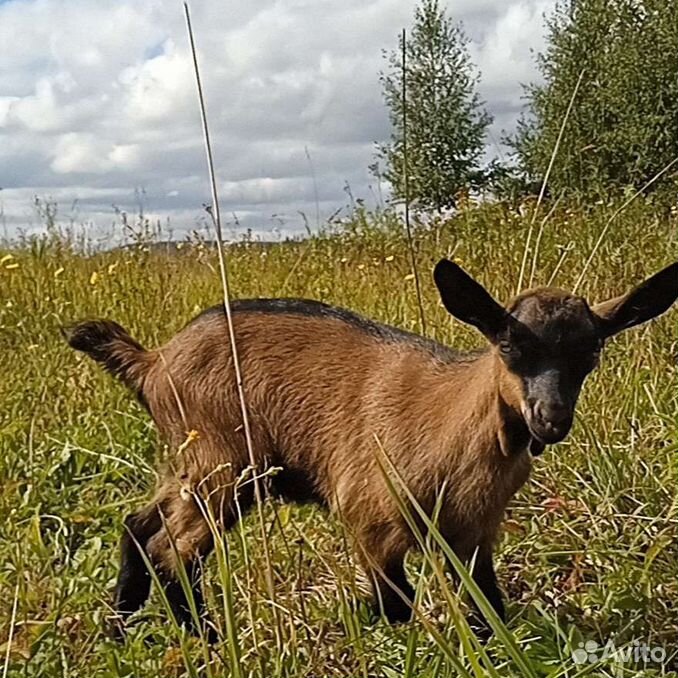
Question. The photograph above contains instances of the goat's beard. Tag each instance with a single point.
(536, 447)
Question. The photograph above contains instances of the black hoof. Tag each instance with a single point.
(211, 634)
(115, 628)
(395, 611)
(208, 629)
(483, 632)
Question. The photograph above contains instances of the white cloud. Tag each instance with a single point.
(98, 99)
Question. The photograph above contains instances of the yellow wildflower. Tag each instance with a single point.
(93, 278)
(190, 437)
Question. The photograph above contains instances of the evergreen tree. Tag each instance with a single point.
(446, 121)
(623, 128)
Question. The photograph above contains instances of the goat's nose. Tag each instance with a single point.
(554, 413)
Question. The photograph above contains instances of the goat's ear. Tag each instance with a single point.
(650, 299)
(468, 301)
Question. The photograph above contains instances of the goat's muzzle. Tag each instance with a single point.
(548, 422)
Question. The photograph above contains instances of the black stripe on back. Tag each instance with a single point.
(318, 309)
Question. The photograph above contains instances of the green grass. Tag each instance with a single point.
(590, 546)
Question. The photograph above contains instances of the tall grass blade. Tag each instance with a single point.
(544, 182)
(216, 216)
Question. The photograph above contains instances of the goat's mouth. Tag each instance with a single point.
(547, 433)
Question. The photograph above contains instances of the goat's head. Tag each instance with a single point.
(547, 340)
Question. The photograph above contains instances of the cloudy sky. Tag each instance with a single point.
(98, 106)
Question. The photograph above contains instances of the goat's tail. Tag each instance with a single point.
(109, 344)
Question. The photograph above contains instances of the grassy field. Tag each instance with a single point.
(590, 546)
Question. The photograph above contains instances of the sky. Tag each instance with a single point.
(98, 111)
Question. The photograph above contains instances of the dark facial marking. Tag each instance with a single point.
(551, 344)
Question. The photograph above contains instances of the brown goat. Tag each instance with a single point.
(321, 384)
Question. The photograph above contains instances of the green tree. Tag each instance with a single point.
(623, 128)
(446, 121)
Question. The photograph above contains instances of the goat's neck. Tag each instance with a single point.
(487, 406)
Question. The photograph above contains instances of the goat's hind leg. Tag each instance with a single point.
(134, 579)
(178, 600)
(185, 540)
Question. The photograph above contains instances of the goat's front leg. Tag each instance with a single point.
(483, 574)
(392, 592)
(482, 571)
